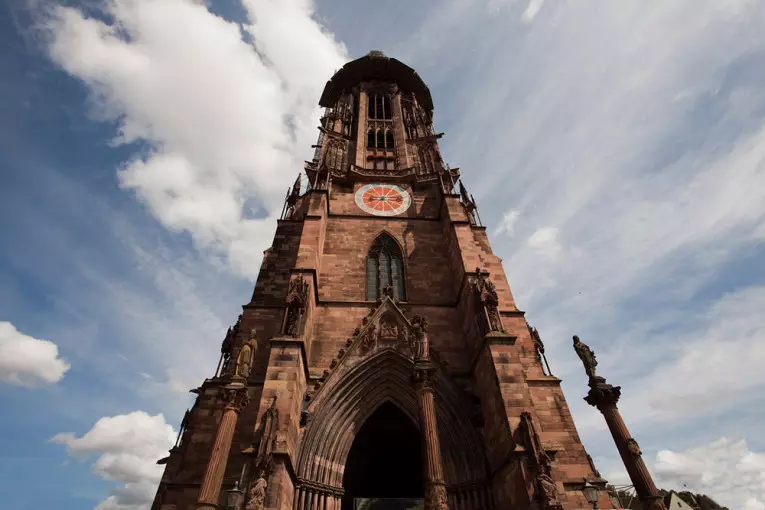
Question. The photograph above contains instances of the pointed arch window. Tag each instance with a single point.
(385, 266)
(371, 138)
(389, 139)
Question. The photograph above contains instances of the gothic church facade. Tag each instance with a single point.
(382, 361)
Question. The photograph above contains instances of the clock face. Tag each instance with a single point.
(383, 199)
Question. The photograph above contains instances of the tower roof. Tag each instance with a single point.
(376, 66)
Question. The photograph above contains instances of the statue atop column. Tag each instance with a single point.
(246, 357)
(587, 356)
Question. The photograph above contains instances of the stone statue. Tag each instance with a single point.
(494, 321)
(293, 320)
(547, 490)
(538, 344)
(257, 494)
(246, 356)
(421, 344)
(587, 357)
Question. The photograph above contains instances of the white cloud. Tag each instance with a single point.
(507, 223)
(531, 10)
(224, 123)
(724, 469)
(128, 447)
(545, 241)
(28, 361)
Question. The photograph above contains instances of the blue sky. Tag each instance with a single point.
(616, 153)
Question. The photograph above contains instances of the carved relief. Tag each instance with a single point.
(388, 329)
(533, 444)
(236, 398)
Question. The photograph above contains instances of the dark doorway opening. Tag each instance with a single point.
(385, 460)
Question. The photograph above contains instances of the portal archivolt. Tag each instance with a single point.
(339, 412)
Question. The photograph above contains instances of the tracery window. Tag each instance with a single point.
(335, 156)
(379, 107)
(385, 266)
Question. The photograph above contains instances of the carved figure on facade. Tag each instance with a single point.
(246, 357)
(297, 297)
(227, 348)
(257, 494)
(533, 444)
(388, 329)
(236, 398)
(539, 348)
(469, 203)
(183, 427)
(369, 338)
(587, 356)
(487, 296)
(386, 291)
(421, 343)
(293, 195)
(548, 492)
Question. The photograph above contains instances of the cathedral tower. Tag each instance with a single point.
(382, 355)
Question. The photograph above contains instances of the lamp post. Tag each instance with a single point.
(591, 494)
(234, 497)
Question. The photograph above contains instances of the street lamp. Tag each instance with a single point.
(234, 497)
(591, 494)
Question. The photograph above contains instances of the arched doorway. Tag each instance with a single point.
(384, 462)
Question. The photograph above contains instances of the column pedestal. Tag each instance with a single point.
(237, 398)
(604, 397)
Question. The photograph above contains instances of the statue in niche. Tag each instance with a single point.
(487, 295)
(587, 356)
(246, 357)
(257, 495)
